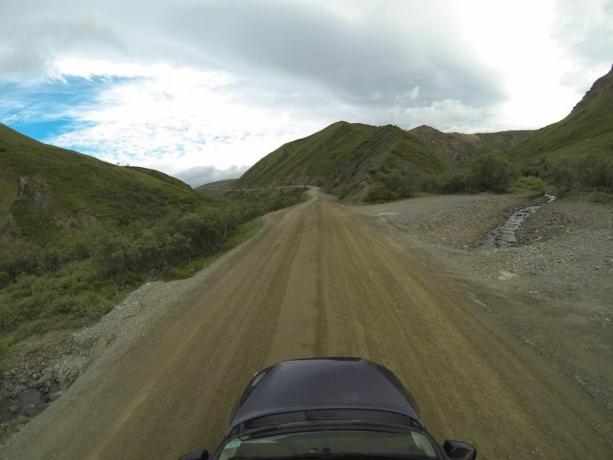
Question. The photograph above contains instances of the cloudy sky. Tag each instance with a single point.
(204, 88)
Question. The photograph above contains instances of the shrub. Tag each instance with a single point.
(455, 182)
(588, 172)
(74, 281)
(400, 184)
(4, 279)
(491, 173)
(486, 173)
(527, 184)
(379, 192)
(392, 186)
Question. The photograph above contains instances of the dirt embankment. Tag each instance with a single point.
(560, 273)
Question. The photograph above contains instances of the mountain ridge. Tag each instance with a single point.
(350, 160)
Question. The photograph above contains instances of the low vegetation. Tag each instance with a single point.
(77, 234)
(487, 173)
(530, 185)
(75, 280)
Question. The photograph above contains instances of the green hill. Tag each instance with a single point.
(345, 159)
(361, 162)
(459, 146)
(77, 233)
(358, 161)
(578, 150)
(220, 185)
(47, 192)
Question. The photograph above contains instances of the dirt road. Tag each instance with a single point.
(320, 280)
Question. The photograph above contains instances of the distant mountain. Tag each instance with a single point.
(200, 175)
(351, 160)
(216, 185)
(47, 192)
(463, 146)
(358, 161)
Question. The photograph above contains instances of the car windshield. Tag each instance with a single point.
(331, 444)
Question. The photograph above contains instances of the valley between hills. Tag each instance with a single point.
(133, 308)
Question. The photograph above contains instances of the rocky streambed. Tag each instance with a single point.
(506, 235)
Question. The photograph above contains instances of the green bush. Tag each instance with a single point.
(391, 186)
(4, 279)
(529, 184)
(379, 192)
(400, 184)
(491, 173)
(455, 182)
(73, 283)
(487, 173)
(586, 172)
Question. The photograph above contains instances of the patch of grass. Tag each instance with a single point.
(243, 233)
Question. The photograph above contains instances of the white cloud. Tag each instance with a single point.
(222, 83)
(174, 118)
(201, 175)
(448, 115)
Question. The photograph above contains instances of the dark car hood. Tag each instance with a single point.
(324, 383)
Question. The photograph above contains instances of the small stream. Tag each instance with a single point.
(505, 235)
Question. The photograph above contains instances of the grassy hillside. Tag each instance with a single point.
(458, 146)
(217, 185)
(368, 162)
(345, 159)
(49, 192)
(362, 162)
(576, 152)
(77, 234)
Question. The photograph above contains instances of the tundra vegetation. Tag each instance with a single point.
(358, 162)
(75, 280)
(78, 234)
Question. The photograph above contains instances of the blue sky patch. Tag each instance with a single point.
(48, 109)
